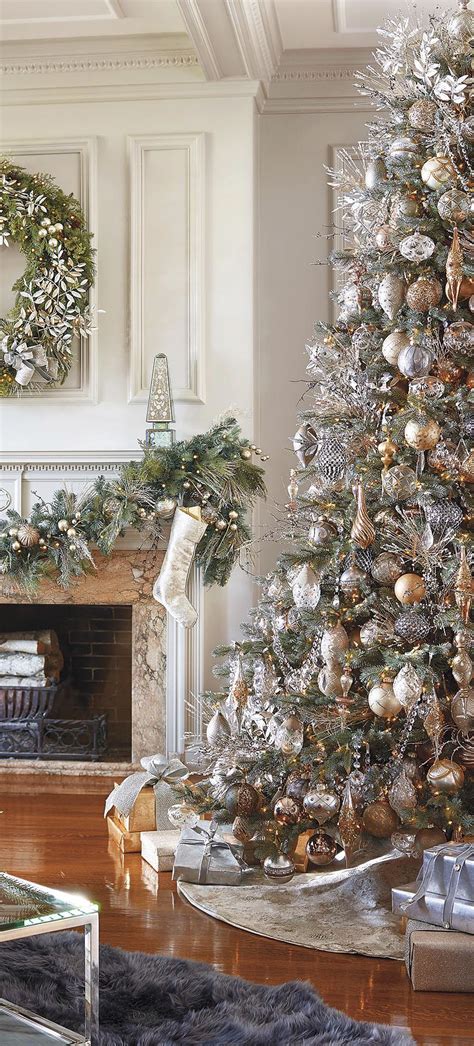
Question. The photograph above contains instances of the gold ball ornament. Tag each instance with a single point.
(28, 535)
(379, 819)
(437, 172)
(410, 589)
(424, 294)
(422, 115)
(445, 776)
(16, 546)
(423, 434)
(382, 701)
(63, 525)
(321, 849)
(427, 837)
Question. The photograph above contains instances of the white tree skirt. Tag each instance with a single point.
(340, 911)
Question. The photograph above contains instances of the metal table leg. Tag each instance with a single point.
(91, 947)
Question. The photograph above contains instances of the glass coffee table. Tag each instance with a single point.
(26, 910)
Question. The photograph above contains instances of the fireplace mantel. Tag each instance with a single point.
(124, 578)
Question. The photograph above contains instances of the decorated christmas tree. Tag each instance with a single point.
(349, 712)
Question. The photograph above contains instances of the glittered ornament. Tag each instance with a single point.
(387, 567)
(403, 149)
(380, 820)
(28, 535)
(444, 515)
(375, 173)
(321, 532)
(407, 686)
(400, 482)
(382, 701)
(467, 129)
(334, 643)
(356, 297)
(321, 849)
(454, 270)
(363, 530)
(405, 207)
(412, 627)
(437, 172)
(422, 433)
(217, 728)
(459, 337)
(462, 668)
(463, 586)
(320, 804)
(445, 776)
(416, 248)
(306, 588)
(242, 800)
(241, 829)
(428, 387)
(410, 589)
(462, 710)
(424, 294)
(454, 206)
(391, 294)
(279, 869)
(165, 507)
(422, 115)
(365, 338)
(393, 344)
(372, 633)
(286, 810)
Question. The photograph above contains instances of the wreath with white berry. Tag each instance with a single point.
(51, 307)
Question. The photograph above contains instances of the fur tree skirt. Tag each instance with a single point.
(150, 1000)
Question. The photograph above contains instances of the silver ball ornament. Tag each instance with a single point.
(279, 869)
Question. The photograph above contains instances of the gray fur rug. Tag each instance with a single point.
(150, 1000)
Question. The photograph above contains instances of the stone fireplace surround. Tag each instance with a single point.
(124, 578)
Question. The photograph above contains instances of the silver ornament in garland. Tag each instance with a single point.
(444, 515)
(412, 627)
(416, 248)
(165, 507)
(279, 869)
(414, 361)
(454, 206)
(428, 386)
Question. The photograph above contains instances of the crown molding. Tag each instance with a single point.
(107, 54)
(198, 31)
(92, 63)
(148, 92)
(257, 32)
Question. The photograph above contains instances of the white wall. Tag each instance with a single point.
(295, 217)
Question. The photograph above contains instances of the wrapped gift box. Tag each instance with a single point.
(128, 842)
(142, 816)
(439, 960)
(439, 864)
(430, 908)
(203, 856)
(159, 848)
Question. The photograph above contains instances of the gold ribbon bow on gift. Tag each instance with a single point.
(26, 359)
(157, 768)
(209, 840)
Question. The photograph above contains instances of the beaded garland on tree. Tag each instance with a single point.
(359, 711)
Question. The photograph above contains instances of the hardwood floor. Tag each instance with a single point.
(52, 831)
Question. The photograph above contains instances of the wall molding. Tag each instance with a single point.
(196, 27)
(40, 66)
(257, 32)
(194, 147)
(87, 389)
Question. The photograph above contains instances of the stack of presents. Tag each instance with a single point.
(439, 908)
(137, 820)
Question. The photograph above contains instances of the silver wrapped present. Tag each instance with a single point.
(204, 856)
(427, 907)
(440, 866)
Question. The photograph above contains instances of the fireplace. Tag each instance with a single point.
(112, 635)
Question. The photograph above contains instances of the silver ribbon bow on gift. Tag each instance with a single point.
(194, 836)
(26, 359)
(461, 852)
(157, 768)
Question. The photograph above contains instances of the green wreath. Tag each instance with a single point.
(52, 301)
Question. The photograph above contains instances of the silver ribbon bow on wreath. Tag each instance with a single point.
(26, 359)
(461, 852)
(157, 769)
(194, 837)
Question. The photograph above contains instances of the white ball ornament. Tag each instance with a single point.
(392, 346)
(382, 701)
(437, 172)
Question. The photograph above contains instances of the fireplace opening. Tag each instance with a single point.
(92, 702)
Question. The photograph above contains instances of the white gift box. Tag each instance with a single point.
(159, 848)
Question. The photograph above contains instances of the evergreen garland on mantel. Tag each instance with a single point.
(214, 471)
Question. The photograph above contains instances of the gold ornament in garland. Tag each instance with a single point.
(52, 302)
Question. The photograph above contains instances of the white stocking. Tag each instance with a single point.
(170, 586)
